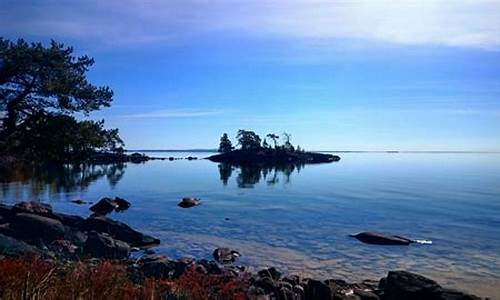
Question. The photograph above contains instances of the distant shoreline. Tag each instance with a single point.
(328, 151)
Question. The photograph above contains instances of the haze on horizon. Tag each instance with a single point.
(349, 75)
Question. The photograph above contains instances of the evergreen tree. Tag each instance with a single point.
(225, 144)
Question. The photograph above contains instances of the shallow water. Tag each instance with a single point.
(299, 219)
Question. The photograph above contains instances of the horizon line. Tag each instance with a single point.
(329, 151)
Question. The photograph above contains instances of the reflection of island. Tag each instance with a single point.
(251, 174)
(57, 178)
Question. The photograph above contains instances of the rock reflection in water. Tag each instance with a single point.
(250, 174)
(57, 178)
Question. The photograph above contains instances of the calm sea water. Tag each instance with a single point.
(298, 219)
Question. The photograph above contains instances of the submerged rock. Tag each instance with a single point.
(225, 255)
(381, 239)
(104, 206)
(119, 231)
(189, 202)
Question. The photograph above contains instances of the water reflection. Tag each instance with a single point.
(57, 178)
(249, 175)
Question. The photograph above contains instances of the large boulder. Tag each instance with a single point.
(102, 245)
(12, 247)
(69, 220)
(119, 230)
(32, 207)
(104, 206)
(35, 227)
(5, 211)
(317, 290)
(159, 267)
(410, 286)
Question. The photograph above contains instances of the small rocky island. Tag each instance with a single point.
(253, 151)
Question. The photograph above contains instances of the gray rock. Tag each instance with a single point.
(188, 202)
(31, 226)
(381, 239)
(119, 230)
(32, 207)
(12, 247)
(225, 255)
(410, 286)
(104, 206)
(102, 245)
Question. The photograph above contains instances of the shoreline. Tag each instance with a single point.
(115, 240)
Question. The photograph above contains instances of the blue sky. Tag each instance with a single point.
(340, 75)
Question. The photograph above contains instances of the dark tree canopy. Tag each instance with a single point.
(274, 138)
(248, 140)
(35, 78)
(225, 144)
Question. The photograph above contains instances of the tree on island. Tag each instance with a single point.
(287, 145)
(274, 138)
(248, 140)
(225, 144)
(40, 88)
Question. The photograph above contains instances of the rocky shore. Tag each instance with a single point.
(33, 229)
(272, 156)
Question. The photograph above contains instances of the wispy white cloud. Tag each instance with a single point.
(176, 113)
(465, 23)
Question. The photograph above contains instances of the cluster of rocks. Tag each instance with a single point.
(33, 227)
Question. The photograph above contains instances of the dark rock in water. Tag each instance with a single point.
(12, 247)
(119, 231)
(191, 158)
(448, 294)
(211, 267)
(32, 207)
(104, 206)
(122, 204)
(270, 272)
(79, 201)
(31, 226)
(170, 158)
(225, 255)
(381, 239)
(189, 202)
(102, 245)
(410, 286)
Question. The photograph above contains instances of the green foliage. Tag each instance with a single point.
(225, 144)
(35, 79)
(248, 140)
(62, 137)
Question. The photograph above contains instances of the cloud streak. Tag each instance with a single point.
(176, 113)
(467, 23)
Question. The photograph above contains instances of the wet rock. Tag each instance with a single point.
(5, 229)
(448, 294)
(381, 239)
(159, 267)
(119, 230)
(211, 267)
(317, 290)
(256, 293)
(366, 295)
(79, 201)
(30, 226)
(12, 247)
(270, 272)
(170, 158)
(292, 279)
(32, 207)
(410, 286)
(104, 206)
(189, 202)
(225, 255)
(122, 204)
(267, 285)
(69, 220)
(102, 245)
